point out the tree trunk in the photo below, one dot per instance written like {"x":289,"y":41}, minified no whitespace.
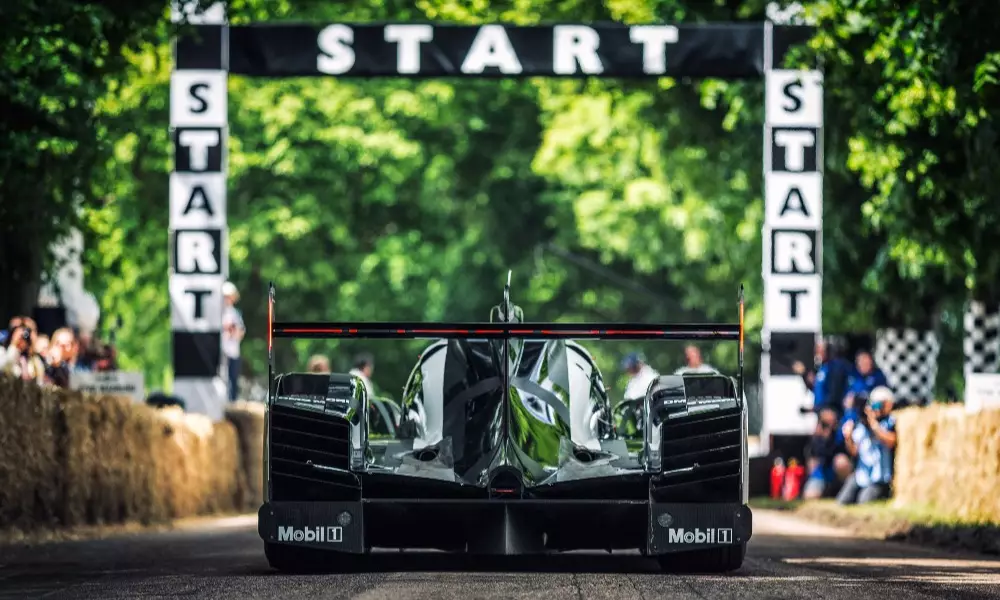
{"x":20,"y":276}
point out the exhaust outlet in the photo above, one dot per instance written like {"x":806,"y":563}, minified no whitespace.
{"x":583,"y":455}
{"x":426,"y":454}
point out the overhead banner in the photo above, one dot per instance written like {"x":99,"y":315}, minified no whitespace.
{"x":729,"y":51}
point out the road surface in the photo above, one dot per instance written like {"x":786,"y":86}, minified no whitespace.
{"x":788,"y":558}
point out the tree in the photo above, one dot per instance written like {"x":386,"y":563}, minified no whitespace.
{"x":60,"y":56}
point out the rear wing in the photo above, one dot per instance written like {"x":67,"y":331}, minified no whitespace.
{"x":506,"y":331}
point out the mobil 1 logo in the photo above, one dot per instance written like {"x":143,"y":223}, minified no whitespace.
{"x":319,"y":534}
{"x":680,"y":535}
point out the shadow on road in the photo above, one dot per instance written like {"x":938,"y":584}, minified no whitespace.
{"x":396,"y":562}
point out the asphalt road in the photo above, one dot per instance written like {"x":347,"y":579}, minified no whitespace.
{"x":788,"y":558}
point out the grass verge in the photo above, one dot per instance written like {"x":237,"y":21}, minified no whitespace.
{"x":889,"y":521}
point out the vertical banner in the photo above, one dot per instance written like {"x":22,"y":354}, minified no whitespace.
{"x":198,"y":232}
{"x":792,"y":239}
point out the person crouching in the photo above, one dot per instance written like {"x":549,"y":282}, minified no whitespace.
{"x":872,"y":439}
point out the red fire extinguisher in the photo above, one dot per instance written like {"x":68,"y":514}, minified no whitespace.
{"x":794,"y":476}
{"x":777,"y":478}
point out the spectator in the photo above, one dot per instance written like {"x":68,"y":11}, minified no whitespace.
{"x":86,"y":351}
{"x":692,"y":356}
{"x":42,"y":345}
{"x":364,"y":367}
{"x":640,"y":376}
{"x":232,"y":334}
{"x":865,"y":378}
{"x":872,"y":439}
{"x":827,"y":463}
{"x":22,"y":361}
{"x":319,"y":364}
{"x":63,"y":358}
{"x":829,"y":382}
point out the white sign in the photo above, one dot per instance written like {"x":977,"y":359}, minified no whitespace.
{"x":197,"y":200}
{"x":196,"y":302}
{"x":793,"y":200}
{"x":792,"y":302}
{"x":110,"y":383}
{"x":574,"y":49}
{"x":794,"y":98}
{"x":198,"y":252}
{"x":982,"y":392}
{"x":198,"y":99}
{"x":786,"y":395}
{"x":202,"y":395}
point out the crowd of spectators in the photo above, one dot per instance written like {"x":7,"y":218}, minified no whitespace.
{"x":851,"y":452}
{"x":850,"y":455}
{"x":30,"y":355}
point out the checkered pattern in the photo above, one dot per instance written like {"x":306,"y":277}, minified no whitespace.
{"x":982,"y":338}
{"x":909,"y":359}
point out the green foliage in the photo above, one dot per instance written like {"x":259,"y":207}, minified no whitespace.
{"x":923,"y":89}
{"x":610,"y":200}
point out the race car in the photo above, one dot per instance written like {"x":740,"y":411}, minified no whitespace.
{"x":506,"y":445}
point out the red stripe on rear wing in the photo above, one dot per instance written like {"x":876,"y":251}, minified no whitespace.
{"x":622,"y":331}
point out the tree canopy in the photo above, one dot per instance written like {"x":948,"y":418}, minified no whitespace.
{"x":610,"y":200}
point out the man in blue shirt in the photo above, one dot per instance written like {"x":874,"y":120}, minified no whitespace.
{"x":829,"y":383}
{"x":872,"y":439}
{"x":866,"y":377}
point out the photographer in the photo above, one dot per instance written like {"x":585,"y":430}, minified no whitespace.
{"x":22,"y":361}
{"x":872,"y":439}
{"x":829,"y":381}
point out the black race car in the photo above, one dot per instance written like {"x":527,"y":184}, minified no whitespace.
{"x":504,"y":444}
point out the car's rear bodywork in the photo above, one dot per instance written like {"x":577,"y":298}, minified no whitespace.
{"x":505,"y":445}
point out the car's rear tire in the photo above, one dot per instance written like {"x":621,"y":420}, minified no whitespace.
{"x":710,"y":560}
{"x":295,"y":559}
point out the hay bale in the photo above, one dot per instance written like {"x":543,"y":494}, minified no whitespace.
{"x":950,"y":460}
{"x":68,"y":460}
{"x":29,"y":481}
{"x":248,"y":419}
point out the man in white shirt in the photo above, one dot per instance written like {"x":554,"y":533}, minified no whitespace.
{"x":692,"y":356}
{"x":232,"y":334}
{"x":364,"y":366}
{"x":640,"y":376}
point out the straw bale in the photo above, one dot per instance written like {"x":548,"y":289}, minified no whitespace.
{"x":248,"y":419}
{"x":69,"y":460}
{"x":29,"y":494}
{"x":950,"y":460}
